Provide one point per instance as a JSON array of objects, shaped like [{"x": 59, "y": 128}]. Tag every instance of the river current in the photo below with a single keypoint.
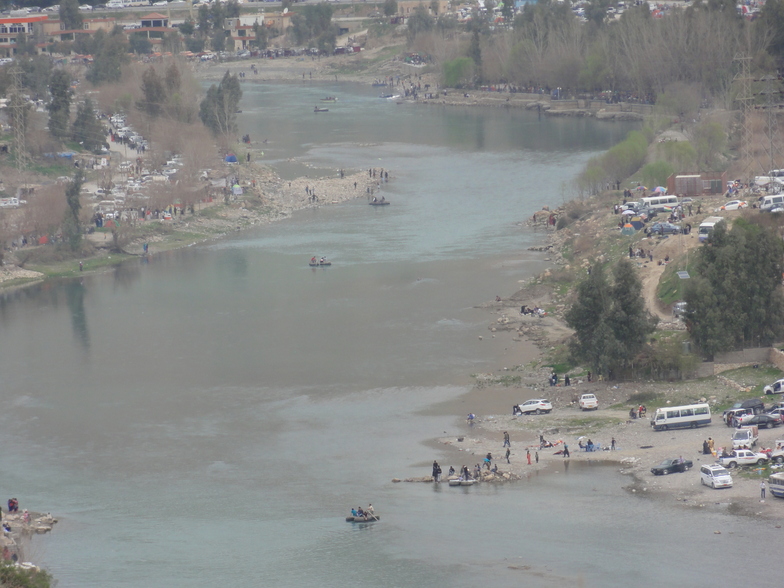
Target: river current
[{"x": 208, "y": 419}]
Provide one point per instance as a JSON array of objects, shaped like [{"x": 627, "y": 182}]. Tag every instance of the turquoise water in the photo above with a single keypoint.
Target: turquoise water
[{"x": 208, "y": 418}]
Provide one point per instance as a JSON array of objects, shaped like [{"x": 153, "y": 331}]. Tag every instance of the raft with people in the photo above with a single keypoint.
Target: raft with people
[
  {"x": 319, "y": 262},
  {"x": 357, "y": 519}
]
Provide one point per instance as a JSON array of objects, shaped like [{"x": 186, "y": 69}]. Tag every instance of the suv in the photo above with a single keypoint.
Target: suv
[
  {"x": 588, "y": 402},
  {"x": 776, "y": 387},
  {"x": 743, "y": 457},
  {"x": 715, "y": 476},
  {"x": 536, "y": 406}
]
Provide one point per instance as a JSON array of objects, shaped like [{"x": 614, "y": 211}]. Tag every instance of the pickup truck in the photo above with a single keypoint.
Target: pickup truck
[
  {"x": 742, "y": 457},
  {"x": 588, "y": 402},
  {"x": 745, "y": 437}
]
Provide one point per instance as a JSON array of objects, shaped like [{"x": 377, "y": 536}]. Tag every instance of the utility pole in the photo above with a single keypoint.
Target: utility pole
[{"x": 745, "y": 100}]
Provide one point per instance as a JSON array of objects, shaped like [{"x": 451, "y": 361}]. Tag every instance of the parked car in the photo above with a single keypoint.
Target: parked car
[
  {"x": 776, "y": 387},
  {"x": 535, "y": 406},
  {"x": 777, "y": 413},
  {"x": 754, "y": 405},
  {"x": 588, "y": 402},
  {"x": 764, "y": 421},
  {"x": 664, "y": 229},
  {"x": 735, "y": 205},
  {"x": 668, "y": 466},
  {"x": 743, "y": 457},
  {"x": 715, "y": 476}
]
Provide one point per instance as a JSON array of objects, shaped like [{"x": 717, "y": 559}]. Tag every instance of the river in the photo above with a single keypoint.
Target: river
[{"x": 207, "y": 419}]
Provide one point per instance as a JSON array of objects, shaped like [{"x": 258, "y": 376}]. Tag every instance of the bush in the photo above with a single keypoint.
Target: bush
[
  {"x": 458, "y": 72},
  {"x": 13, "y": 577}
]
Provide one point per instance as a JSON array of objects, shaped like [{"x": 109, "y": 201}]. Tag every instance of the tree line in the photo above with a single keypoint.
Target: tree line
[{"x": 546, "y": 46}]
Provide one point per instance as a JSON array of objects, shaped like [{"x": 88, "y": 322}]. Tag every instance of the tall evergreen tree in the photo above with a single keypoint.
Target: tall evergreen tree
[
  {"x": 60, "y": 106},
  {"x": 87, "y": 130},
  {"x": 610, "y": 321},
  {"x": 71, "y": 227},
  {"x": 154, "y": 93},
  {"x": 218, "y": 109},
  {"x": 70, "y": 15},
  {"x": 734, "y": 300}
]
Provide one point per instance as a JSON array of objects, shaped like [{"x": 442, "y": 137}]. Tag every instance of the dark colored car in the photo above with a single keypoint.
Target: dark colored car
[
  {"x": 664, "y": 229},
  {"x": 671, "y": 465},
  {"x": 763, "y": 420}
]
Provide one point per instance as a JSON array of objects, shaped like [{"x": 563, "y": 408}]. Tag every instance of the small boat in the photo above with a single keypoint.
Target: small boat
[
  {"x": 329, "y": 99},
  {"x": 378, "y": 202},
  {"x": 317, "y": 109},
  {"x": 462, "y": 482},
  {"x": 370, "y": 519},
  {"x": 320, "y": 264},
  {"x": 393, "y": 97},
  {"x": 386, "y": 96}
]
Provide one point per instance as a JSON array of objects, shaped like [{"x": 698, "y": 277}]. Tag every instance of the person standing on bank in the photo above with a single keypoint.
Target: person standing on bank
[{"x": 506, "y": 440}]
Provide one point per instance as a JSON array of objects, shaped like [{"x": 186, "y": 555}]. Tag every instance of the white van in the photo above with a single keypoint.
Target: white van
[
  {"x": 768, "y": 203},
  {"x": 715, "y": 476},
  {"x": 674, "y": 417},
  {"x": 706, "y": 227},
  {"x": 660, "y": 203}
]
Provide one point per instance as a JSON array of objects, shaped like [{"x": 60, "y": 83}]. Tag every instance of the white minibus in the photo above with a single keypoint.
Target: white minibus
[{"x": 673, "y": 417}]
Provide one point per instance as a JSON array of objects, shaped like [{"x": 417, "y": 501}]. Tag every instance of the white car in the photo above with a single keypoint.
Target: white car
[
  {"x": 535, "y": 406},
  {"x": 735, "y": 205},
  {"x": 743, "y": 457},
  {"x": 588, "y": 402},
  {"x": 715, "y": 476},
  {"x": 776, "y": 387}
]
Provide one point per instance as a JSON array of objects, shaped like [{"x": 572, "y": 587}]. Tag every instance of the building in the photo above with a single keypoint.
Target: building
[
  {"x": 11, "y": 26},
  {"x": 153, "y": 26},
  {"x": 54, "y": 30},
  {"x": 697, "y": 183}
]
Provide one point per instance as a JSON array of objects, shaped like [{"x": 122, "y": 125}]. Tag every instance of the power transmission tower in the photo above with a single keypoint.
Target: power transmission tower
[
  {"x": 19, "y": 107},
  {"x": 772, "y": 93},
  {"x": 745, "y": 100}
]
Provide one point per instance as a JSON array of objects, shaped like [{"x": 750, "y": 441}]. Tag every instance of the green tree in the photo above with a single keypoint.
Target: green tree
[
  {"x": 218, "y": 109},
  {"x": 475, "y": 53},
  {"x": 773, "y": 17},
  {"x": 419, "y": 22},
  {"x": 111, "y": 53},
  {"x": 60, "y": 105},
  {"x": 709, "y": 140},
  {"x": 71, "y": 228},
  {"x": 262, "y": 35},
  {"x": 610, "y": 321},
  {"x": 154, "y": 93},
  {"x": 734, "y": 298},
  {"x": 87, "y": 130},
  {"x": 188, "y": 27},
  {"x": 194, "y": 44},
  {"x": 12, "y": 576},
  {"x": 390, "y": 7},
  {"x": 218, "y": 40},
  {"x": 232, "y": 9},
  {"x": 205, "y": 20},
  {"x": 140, "y": 44},
  {"x": 458, "y": 72},
  {"x": 70, "y": 15}
]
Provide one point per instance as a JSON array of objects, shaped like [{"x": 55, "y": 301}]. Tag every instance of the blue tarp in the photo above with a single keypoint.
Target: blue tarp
[{"x": 231, "y": 158}]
